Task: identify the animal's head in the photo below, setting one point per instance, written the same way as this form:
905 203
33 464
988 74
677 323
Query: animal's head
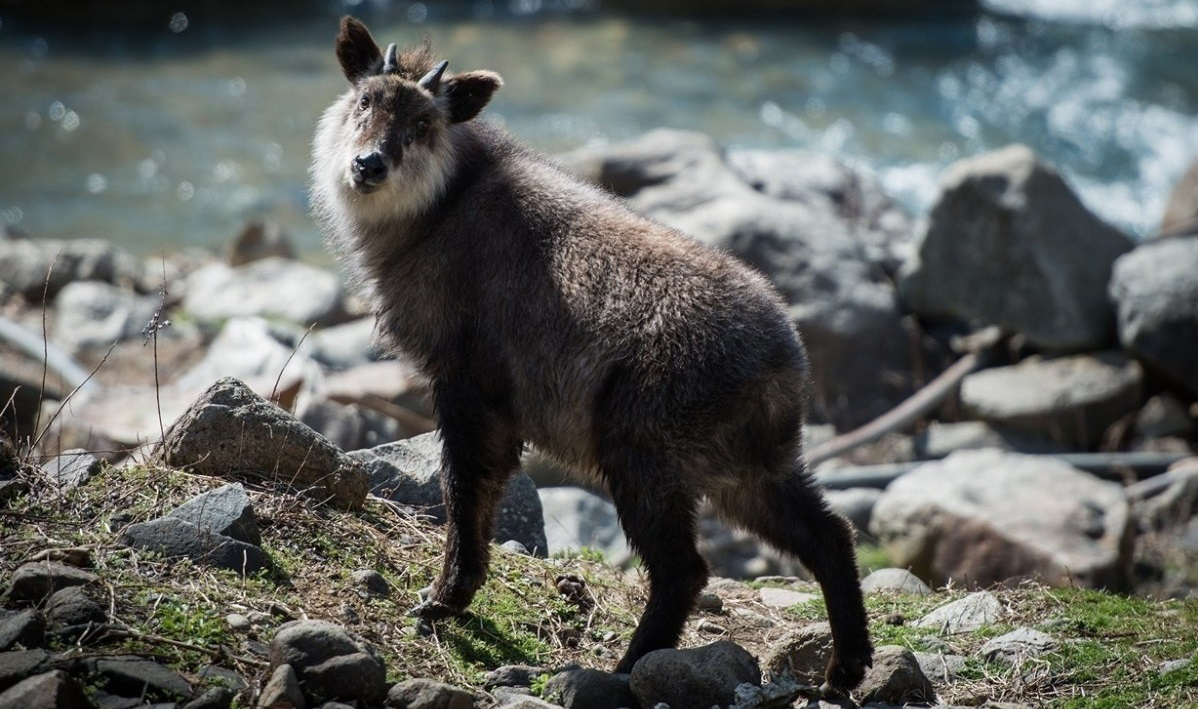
392 132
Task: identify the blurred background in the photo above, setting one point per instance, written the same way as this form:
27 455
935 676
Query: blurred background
162 125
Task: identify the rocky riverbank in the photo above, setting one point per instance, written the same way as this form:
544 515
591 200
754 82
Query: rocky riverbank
1068 381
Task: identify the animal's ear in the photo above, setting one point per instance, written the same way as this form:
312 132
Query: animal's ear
359 55
469 92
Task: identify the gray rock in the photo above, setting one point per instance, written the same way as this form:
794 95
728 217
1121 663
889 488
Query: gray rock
940 667
856 504
225 511
408 472
1008 243
211 698
72 468
36 580
590 689
938 440
986 517
427 694
25 627
230 428
330 662
71 612
512 676
1019 645
1155 289
351 427
895 678
50 690
138 677
696 677
1071 400
1174 665
577 518
272 287
1165 415
347 345
895 581
177 538
26 263
784 597
964 615
372 582
92 314
17 665
802 654
517 701
282 690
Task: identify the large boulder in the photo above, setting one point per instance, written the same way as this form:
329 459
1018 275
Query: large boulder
232 431
987 517
409 472
1070 400
271 287
1009 243
1155 289
826 237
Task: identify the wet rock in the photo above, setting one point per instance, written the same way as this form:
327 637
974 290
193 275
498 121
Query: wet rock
36 580
260 240
576 518
1009 243
696 677
1071 400
1018 645
895 581
31 266
802 654
1155 290
986 517
965 615
25 628
282 690
231 429
408 472
895 678
427 694
138 677
330 662
272 287
590 689
92 314
72 468
50 690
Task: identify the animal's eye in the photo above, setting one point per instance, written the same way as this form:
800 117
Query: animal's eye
364 102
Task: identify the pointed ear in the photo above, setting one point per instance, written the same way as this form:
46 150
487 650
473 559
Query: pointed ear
469 92
359 55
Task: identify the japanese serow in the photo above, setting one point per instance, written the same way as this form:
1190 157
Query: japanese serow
545 312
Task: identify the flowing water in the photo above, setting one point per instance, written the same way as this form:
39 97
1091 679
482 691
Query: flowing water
175 130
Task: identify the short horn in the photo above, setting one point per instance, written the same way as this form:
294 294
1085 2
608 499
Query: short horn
390 65
432 80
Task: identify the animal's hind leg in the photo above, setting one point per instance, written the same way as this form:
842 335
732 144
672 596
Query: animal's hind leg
791 514
659 518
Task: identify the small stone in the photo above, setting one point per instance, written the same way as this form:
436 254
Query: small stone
802 654
696 677
25 628
282 690
238 622
895 678
72 612
73 468
36 580
372 582
940 667
977 610
590 689
1018 645
784 598
51 690
137 677
895 581
709 602
211 698
427 694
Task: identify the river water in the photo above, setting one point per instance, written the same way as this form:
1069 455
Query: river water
172 130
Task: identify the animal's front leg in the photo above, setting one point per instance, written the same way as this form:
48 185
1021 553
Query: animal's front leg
479 456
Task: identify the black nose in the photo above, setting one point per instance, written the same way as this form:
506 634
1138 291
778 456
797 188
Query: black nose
370 168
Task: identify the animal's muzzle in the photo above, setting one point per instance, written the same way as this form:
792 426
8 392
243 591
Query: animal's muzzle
369 171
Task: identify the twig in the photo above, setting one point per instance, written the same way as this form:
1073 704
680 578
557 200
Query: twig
68 398
150 332
274 390
217 653
37 420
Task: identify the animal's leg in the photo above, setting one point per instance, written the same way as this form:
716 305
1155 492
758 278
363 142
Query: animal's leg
658 516
790 514
480 454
